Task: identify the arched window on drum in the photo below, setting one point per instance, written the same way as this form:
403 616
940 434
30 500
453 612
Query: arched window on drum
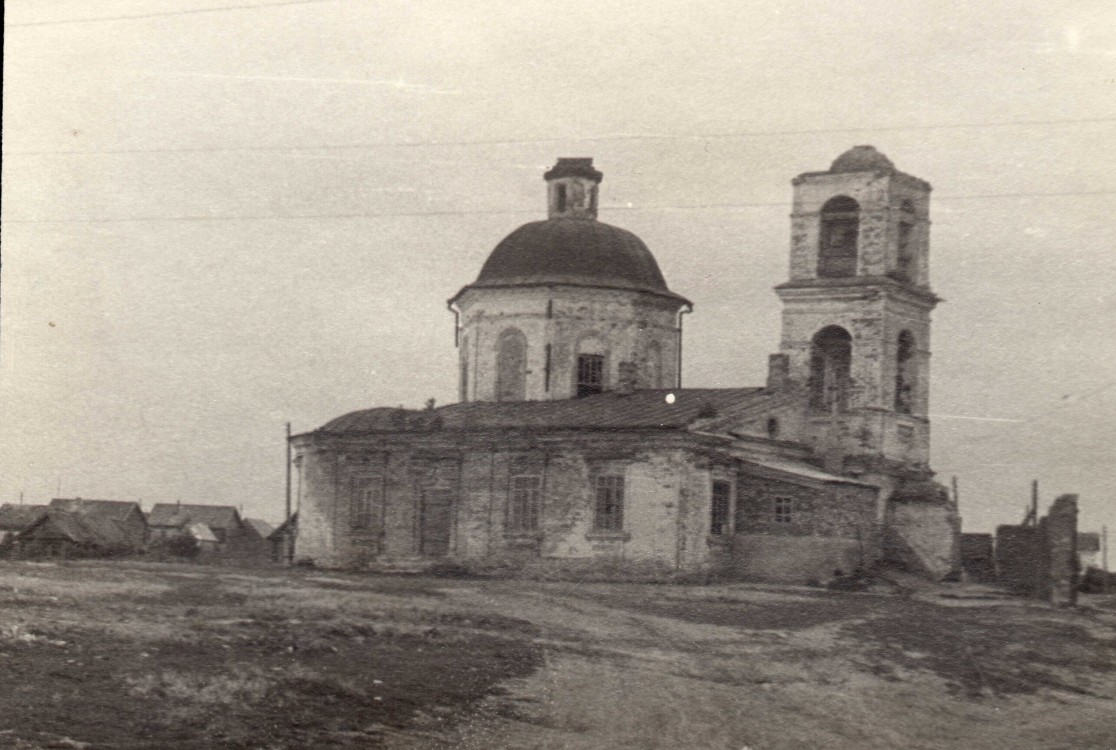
511 366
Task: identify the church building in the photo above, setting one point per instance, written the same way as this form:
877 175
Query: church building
574 442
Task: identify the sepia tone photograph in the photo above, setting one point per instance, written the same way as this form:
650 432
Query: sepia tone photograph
576 376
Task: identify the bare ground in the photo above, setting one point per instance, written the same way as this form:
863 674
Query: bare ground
135 655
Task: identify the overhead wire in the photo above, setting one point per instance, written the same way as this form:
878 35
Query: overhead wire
620 137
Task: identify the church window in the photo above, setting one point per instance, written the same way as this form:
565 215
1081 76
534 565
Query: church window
904 373
590 374
560 191
830 364
511 366
523 503
719 508
609 515
784 510
365 498
840 223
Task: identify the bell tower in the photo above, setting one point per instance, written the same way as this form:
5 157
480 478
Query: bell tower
856 314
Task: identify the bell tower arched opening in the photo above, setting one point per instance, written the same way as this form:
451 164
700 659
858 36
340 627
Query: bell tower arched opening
837 248
830 369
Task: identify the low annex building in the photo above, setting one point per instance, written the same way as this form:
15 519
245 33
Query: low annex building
573 439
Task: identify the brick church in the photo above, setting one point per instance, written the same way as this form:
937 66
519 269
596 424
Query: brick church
573 441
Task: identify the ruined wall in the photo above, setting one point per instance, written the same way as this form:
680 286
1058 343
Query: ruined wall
624 326
1059 533
792 532
978 558
1041 560
924 535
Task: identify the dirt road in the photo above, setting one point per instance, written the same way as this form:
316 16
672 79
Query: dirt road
131 655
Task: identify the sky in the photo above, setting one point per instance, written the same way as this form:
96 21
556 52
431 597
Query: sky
220 216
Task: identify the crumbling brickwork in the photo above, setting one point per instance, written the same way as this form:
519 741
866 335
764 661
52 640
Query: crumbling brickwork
1041 560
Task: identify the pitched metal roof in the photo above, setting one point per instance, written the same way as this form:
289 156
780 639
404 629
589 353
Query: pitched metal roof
178 514
118 509
19 517
644 409
804 470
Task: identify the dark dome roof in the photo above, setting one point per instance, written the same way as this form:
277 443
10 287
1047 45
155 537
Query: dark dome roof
580 252
861 159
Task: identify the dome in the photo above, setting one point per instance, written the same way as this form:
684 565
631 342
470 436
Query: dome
861 159
578 252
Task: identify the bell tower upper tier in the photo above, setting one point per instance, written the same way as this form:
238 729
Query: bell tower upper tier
856 310
861 217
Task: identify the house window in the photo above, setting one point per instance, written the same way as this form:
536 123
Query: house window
840 224
783 510
719 508
561 191
523 504
366 497
590 374
609 514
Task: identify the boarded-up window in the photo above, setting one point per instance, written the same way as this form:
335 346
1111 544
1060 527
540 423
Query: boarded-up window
511 366
784 510
590 374
523 503
840 224
609 514
365 500
719 509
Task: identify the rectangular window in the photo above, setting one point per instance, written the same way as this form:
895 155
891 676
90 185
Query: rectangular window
610 504
365 499
523 504
590 374
783 510
719 510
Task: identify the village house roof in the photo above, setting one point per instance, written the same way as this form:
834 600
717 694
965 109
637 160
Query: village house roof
116 509
261 527
19 517
80 528
643 409
177 515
